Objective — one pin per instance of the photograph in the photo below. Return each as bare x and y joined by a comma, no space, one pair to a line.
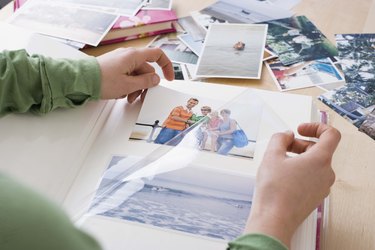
194,45
180,71
157,5
303,74
205,20
64,21
357,60
191,27
297,39
206,125
233,51
351,102
368,126
118,7
195,200
176,50
268,55
244,11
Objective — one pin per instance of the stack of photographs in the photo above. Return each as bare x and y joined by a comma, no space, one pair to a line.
356,100
232,51
305,56
78,22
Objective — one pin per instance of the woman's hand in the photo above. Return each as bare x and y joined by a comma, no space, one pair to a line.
127,72
288,189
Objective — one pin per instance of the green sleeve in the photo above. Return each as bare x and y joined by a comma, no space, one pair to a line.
256,242
30,222
40,84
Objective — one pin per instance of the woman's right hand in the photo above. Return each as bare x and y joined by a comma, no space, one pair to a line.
288,189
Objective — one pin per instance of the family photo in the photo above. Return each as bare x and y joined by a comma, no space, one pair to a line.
209,125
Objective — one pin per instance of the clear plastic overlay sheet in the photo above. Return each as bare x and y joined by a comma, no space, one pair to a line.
189,177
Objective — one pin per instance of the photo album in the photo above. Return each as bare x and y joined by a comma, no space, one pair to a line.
144,175
129,172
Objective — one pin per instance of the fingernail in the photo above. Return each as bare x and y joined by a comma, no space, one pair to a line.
155,79
289,132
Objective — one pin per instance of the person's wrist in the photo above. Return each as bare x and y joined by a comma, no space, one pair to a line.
277,224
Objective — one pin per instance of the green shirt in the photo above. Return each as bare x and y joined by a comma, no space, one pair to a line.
39,84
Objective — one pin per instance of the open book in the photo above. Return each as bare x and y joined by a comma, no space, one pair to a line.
176,196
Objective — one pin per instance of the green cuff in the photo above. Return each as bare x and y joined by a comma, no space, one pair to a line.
256,242
69,83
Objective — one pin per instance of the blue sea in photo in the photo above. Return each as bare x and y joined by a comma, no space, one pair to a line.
170,205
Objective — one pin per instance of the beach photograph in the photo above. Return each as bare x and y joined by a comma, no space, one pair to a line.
217,201
233,51
304,74
198,122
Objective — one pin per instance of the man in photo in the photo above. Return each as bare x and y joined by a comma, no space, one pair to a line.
177,121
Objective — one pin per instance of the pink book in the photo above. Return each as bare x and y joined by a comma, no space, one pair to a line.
145,23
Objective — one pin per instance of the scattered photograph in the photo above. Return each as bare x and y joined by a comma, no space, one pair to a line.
357,60
303,74
351,102
118,7
356,100
331,86
191,27
158,5
368,126
205,20
233,11
64,21
174,49
194,45
217,201
233,51
180,71
296,39
201,123
268,54
285,4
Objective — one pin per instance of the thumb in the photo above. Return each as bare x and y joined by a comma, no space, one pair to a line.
280,144
143,81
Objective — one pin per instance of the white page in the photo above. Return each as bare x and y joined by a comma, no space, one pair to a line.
113,140
46,152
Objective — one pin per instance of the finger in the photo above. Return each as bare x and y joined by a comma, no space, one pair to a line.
328,136
133,96
158,56
143,95
140,82
299,146
144,69
279,144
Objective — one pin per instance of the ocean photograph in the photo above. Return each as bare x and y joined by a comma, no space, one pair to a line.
233,50
196,200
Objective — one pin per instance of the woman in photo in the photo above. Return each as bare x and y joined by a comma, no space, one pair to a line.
226,128
212,131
